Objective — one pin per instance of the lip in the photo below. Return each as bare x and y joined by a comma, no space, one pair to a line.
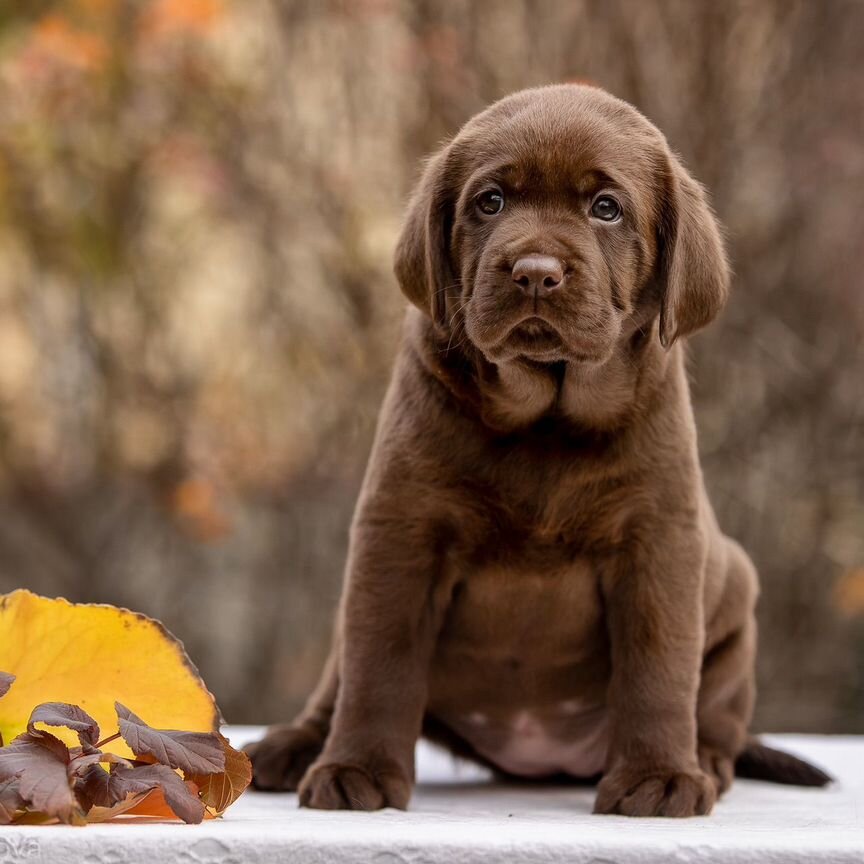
535,333
534,338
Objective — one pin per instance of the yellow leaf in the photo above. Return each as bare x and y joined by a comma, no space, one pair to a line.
93,655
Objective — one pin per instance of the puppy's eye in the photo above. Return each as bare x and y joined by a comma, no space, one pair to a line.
606,208
490,202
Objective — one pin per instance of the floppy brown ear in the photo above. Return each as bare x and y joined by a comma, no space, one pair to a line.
695,272
422,261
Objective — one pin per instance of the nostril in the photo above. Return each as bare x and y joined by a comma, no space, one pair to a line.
538,274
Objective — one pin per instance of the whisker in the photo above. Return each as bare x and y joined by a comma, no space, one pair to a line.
634,321
458,310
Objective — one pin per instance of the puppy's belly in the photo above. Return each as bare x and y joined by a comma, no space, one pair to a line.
566,738
521,667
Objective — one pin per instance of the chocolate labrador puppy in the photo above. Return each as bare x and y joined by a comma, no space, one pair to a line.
536,576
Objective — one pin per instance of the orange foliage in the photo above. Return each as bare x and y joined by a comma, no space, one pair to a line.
848,594
194,501
57,40
179,16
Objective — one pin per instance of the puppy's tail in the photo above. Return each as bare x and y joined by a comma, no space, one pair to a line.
759,762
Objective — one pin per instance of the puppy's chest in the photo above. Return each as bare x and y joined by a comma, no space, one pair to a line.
543,606
544,489
531,562
551,514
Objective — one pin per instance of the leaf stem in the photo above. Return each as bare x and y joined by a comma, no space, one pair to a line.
104,741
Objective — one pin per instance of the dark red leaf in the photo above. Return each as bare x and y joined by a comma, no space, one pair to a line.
80,762
94,788
70,716
5,682
191,752
40,762
10,800
14,758
123,781
91,787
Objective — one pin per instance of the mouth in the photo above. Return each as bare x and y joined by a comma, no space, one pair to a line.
535,336
534,339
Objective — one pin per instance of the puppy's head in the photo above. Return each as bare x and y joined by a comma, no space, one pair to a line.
555,225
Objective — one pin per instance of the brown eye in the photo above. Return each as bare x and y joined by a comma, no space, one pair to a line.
606,208
490,202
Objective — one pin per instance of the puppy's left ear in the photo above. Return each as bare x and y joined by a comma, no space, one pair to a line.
422,261
694,269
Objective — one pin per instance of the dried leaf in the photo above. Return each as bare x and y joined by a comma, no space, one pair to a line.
68,716
34,817
220,791
90,655
191,752
40,763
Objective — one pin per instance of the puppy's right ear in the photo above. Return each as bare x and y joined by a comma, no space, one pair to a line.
422,262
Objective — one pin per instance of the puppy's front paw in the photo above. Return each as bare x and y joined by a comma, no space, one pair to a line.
334,786
282,757
678,794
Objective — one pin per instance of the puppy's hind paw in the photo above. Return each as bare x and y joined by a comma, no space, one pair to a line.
718,766
282,757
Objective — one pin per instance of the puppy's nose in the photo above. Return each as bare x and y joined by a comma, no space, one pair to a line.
538,275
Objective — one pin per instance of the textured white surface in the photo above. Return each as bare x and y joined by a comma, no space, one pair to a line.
458,817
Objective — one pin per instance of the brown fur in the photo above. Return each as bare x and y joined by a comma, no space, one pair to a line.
536,576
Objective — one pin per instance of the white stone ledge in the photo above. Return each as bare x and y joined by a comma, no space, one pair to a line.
458,816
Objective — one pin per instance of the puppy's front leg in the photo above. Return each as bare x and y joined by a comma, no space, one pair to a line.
389,618
655,619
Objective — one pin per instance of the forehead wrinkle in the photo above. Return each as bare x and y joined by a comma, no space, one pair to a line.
563,149
541,171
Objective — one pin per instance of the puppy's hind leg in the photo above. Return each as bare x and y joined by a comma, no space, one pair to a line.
727,688
726,693
281,758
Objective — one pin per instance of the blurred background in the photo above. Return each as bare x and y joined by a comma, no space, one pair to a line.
198,206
